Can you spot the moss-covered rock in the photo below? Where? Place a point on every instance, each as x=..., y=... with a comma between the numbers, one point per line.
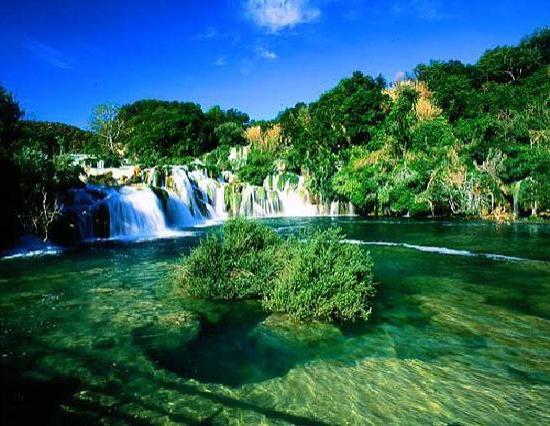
x=105, y=179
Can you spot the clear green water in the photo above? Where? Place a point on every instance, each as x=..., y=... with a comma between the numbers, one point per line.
x=96, y=334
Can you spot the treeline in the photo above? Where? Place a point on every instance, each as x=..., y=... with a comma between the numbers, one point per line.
x=155, y=132
x=452, y=139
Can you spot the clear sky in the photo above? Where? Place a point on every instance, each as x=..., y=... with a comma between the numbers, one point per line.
x=62, y=57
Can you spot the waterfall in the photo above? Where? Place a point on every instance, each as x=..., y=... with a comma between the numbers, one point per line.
x=285, y=195
x=84, y=207
x=211, y=192
x=177, y=198
x=256, y=201
x=295, y=200
x=184, y=190
x=135, y=212
x=178, y=214
x=280, y=196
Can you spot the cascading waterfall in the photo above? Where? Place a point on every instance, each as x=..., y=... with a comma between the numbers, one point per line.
x=280, y=195
x=178, y=214
x=135, y=212
x=84, y=208
x=177, y=198
x=184, y=189
x=256, y=201
x=295, y=199
x=211, y=193
x=116, y=212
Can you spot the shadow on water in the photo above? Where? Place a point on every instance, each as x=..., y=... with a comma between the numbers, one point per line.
x=26, y=400
x=234, y=350
x=52, y=399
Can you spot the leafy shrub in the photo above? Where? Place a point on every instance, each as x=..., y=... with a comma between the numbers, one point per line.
x=230, y=134
x=311, y=277
x=259, y=164
x=324, y=279
x=241, y=263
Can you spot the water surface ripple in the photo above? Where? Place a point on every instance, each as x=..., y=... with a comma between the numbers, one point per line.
x=460, y=335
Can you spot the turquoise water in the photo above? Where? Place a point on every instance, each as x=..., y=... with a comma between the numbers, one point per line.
x=98, y=334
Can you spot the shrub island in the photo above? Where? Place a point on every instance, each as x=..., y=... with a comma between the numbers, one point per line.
x=312, y=276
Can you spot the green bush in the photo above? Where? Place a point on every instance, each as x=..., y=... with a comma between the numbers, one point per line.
x=240, y=263
x=259, y=164
x=324, y=279
x=315, y=276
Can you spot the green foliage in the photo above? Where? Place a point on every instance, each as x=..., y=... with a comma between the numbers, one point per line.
x=540, y=41
x=230, y=134
x=56, y=138
x=433, y=136
x=241, y=263
x=347, y=115
x=233, y=115
x=161, y=129
x=317, y=135
x=314, y=277
x=217, y=160
x=152, y=131
x=10, y=114
x=34, y=176
x=454, y=85
x=509, y=64
x=259, y=164
x=324, y=279
x=43, y=182
x=492, y=137
x=110, y=129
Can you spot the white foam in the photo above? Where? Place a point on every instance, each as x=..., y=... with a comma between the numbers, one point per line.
x=442, y=250
x=49, y=251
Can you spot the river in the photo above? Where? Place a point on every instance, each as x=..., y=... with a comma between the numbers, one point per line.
x=460, y=335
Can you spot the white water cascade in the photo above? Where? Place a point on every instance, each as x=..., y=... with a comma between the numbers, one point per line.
x=135, y=212
x=212, y=193
x=295, y=199
x=176, y=198
x=279, y=196
x=256, y=201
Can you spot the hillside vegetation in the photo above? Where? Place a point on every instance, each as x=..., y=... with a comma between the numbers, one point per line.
x=450, y=139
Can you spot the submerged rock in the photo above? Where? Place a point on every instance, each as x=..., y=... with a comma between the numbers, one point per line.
x=168, y=332
x=282, y=327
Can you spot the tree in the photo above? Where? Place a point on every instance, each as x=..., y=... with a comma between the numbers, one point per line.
x=539, y=40
x=55, y=138
x=235, y=116
x=109, y=127
x=509, y=64
x=166, y=131
x=348, y=114
x=215, y=116
x=10, y=114
x=454, y=85
x=259, y=164
x=43, y=185
x=230, y=134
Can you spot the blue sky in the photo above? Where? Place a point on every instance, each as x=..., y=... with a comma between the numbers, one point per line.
x=62, y=57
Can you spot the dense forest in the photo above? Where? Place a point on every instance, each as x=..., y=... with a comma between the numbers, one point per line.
x=450, y=139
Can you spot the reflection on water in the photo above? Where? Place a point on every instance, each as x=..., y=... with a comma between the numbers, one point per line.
x=97, y=333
